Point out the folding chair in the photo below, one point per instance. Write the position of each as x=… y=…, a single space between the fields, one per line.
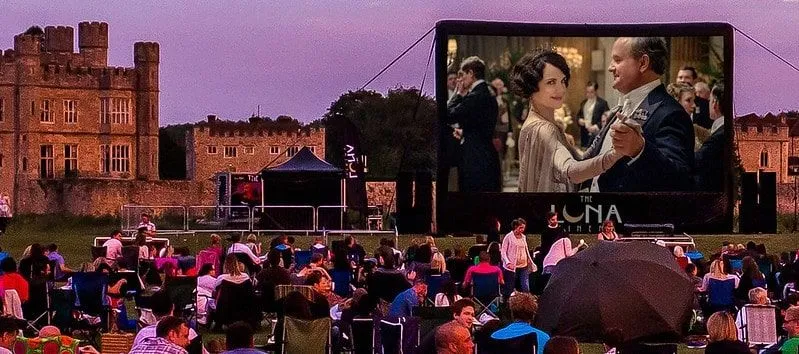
x=92 y=309
x=362 y=335
x=98 y=252
x=391 y=336
x=758 y=324
x=251 y=267
x=323 y=250
x=306 y=337
x=720 y=295
x=130 y=257
x=486 y=292
x=12 y=306
x=341 y=280
x=38 y=308
x=434 y=282
x=302 y=259
x=183 y=293
x=206 y=257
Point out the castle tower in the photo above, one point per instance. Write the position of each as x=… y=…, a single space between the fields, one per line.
x=59 y=39
x=146 y=56
x=93 y=43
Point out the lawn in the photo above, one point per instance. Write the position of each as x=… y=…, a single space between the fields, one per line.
x=74 y=237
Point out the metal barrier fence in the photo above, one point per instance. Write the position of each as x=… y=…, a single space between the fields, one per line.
x=271 y=218
x=284 y=218
x=167 y=217
x=219 y=218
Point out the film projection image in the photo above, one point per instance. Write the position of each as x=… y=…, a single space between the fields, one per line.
x=504 y=153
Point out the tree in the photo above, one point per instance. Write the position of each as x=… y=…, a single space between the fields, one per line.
x=391 y=136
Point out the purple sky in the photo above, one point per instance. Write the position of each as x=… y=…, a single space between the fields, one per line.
x=295 y=57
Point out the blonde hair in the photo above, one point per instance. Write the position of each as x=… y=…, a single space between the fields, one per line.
x=678 y=88
x=232 y=265
x=758 y=296
x=430 y=240
x=678 y=252
x=717 y=269
x=252 y=238
x=215 y=239
x=721 y=326
x=439 y=262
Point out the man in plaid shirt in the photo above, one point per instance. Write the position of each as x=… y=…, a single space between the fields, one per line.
x=172 y=337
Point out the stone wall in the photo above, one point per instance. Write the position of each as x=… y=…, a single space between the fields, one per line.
x=105 y=197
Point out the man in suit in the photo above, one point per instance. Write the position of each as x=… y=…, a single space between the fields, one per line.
x=473 y=112
x=710 y=157
x=650 y=128
x=589 y=117
x=701 y=116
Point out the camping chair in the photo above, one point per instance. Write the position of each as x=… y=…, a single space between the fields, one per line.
x=311 y=337
x=302 y=259
x=236 y=302
x=130 y=257
x=434 y=282
x=397 y=335
x=38 y=308
x=736 y=265
x=341 y=280
x=486 y=292
x=98 y=252
x=183 y=293
x=323 y=250
x=12 y=307
x=362 y=335
x=720 y=294
x=206 y=257
x=758 y=324
x=92 y=311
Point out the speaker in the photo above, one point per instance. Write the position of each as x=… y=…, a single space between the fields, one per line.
x=748 y=210
x=767 y=205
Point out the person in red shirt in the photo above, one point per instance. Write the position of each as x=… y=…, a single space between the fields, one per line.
x=484 y=267
x=10 y=279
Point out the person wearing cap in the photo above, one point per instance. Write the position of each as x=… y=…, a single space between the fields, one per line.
x=238 y=247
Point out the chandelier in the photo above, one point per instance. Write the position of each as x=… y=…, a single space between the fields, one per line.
x=452 y=51
x=573 y=57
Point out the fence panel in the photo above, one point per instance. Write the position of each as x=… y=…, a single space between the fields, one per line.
x=165 y=217
x=284 y=218
x=221 y=218
x=337 y=217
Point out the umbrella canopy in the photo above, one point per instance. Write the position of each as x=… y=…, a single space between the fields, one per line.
x=636 y=287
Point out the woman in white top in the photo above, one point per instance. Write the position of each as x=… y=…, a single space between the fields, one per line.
x=5 y=212
x=561 y=249
x=517 y=263
x=141 y=241
x=608 y=232
x=548 y=162
x=447 y=295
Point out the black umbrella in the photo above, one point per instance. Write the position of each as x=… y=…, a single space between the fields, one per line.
x=636 y=287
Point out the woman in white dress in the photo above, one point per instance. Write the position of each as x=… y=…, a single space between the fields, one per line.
x=548 y=162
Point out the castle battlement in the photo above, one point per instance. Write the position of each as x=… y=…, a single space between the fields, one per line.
x=284 y=126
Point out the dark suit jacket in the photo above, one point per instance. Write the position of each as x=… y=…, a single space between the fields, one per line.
x=667 y=161
x=710 y=163
x=702 y=114
x=477 y=115
x=600 y=107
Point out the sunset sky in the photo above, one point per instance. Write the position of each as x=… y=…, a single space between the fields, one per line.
x=296 y=57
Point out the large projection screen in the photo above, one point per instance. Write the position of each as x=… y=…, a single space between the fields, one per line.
x=643 y=191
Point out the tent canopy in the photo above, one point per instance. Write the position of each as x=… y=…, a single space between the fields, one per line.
x=304 y=162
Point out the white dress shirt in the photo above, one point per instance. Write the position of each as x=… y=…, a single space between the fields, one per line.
x=633 y=99
x=242 y=248
x=113 y=249
x=717 y=124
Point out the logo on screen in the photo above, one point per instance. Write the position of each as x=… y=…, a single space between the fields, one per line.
x=587 y=216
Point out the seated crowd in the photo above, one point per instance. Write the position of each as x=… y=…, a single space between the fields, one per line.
x=488 y=291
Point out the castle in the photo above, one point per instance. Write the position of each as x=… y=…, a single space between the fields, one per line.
x=69 y=115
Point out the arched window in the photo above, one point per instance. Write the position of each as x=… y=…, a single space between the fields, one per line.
x=764 y=158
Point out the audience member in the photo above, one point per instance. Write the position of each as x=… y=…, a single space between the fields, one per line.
x=239 y=339
x=562 y=345
x=404 y=303
x=113 y=246
x=723 y=337
x=206 y=278
x=9 y=329
x=386 y=283
x=447 y=294
x=317 y=265
x=458 y=264
x=484 y=267
x=141 y=241
x=719 y=298
x=608 y=232
x=216 y=246
x=36 y=265
x=253 y=244
x=453 y=338
x=552 y=232
x=162 y=308
x=561 y=249
x=234 y=271
x=61 y=271
x=238 y=247
x=323 y=296
x=680 y=257
x=523 y=308
x=751 y=278
x=270 y=277
x=517 y=263
x=11 y=280
x=171 y=337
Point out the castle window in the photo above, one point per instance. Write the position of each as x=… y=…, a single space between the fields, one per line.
x=24 y=163
x=759 y=129
x=774 y=129
x=274 y=150
x=70 y=111
x=70 y=159
x=2 y=108
x=211 y=149
x=249 y=149
x=33 y=107
x=313 y=149
x=115 y=158
x=764 y=158
x=292 y=150
x=231 y=151
x=115 y=110
x=44 y=115
x=46 y=162
x=1 y=160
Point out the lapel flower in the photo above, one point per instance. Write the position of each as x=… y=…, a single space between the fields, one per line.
x=639 y=115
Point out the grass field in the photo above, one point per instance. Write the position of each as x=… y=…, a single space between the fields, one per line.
x=74 y=237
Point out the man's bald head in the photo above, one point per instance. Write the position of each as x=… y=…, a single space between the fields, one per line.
x=453 y=337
